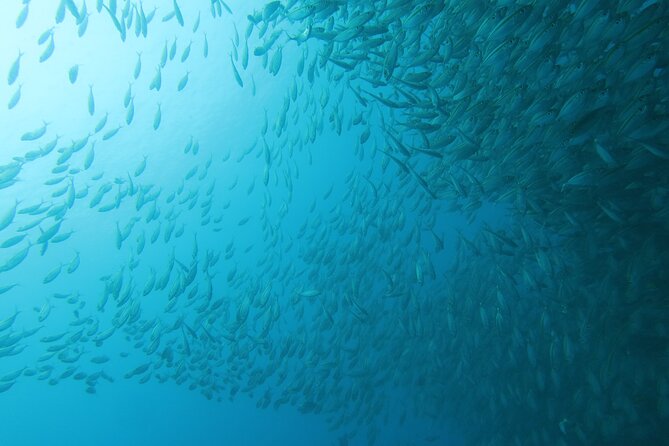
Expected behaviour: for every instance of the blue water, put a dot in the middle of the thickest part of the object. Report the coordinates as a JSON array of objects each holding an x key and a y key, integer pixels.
[{"x": 333, "y": 223}]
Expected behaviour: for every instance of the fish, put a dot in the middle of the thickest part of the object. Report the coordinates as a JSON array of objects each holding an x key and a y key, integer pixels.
[
  {"x": 111, "y": 133},
  {"x": 130, "y": 112},
  {"x": 11, "y": 241},
  {"x": 74, "y": 264},
  {"x": 91, "y": 101},
  {"x": 88, "y": 161},
  {"x": 9, "y": 321},
  {"x": 13, "y": 73},
  {"x": 157, "y": 82},
  {"x": 46, "y": 235},
  {"x": 15, "y": 98},
  {"x": 15, "y": 260},
  {"x": 173, "y": 49},
  {"x": 48, "y": 51},
  {"x": 45, "y": 36},
  {"x": 177, "y": 13},
  {"x": 7, "y": 218},
  {"x": 119, "y": 27},
  {"x": 44, "y": 312},
  {"x": 163, "y": 57},
  {"x": 236, "y": 73},
  {"x": 275, "y": 64},
  {"x": 196, "y": 24},
  {"x": 157, "y": 118},
  {"x": 101, "y": 123},
  {"x": 82, "y": 22},
  {"x": 141, "y": 167},
  {"x": 73, "y": 73},
  {"x": 6, "y": 288},
  {"x": 35, "y": 134},
  {"x": 183, "y": 82},
  {"x": 138, "y": 66},
  {"x": 138, "y": 370},
  {"x": 186, "y": 52},
  {"x": 23, "y": 15}
]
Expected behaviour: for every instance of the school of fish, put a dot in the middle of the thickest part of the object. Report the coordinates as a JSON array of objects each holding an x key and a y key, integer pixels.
[{"x": 549, "y": 327}]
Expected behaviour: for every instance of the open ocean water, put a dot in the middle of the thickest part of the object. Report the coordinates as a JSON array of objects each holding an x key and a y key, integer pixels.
[{"x": 337, "y": 223}]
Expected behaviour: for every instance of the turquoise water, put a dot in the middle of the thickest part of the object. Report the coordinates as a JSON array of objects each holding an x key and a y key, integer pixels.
[{"x": 333, "y": 223}]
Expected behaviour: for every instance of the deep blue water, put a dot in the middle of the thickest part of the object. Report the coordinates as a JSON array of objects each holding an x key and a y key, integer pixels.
[{"x": 333, "y": 223}]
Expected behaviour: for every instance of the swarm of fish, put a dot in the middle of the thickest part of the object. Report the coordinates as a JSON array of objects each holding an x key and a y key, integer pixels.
[{"x": 547, "y": 328}]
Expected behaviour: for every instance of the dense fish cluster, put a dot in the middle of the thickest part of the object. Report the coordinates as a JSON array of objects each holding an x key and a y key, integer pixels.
[{"x": 366, "y": 306}]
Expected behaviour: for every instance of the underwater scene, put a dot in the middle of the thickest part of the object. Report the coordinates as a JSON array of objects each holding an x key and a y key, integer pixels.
[{"x": 334, "y": 223}]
